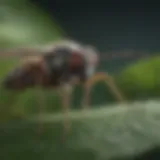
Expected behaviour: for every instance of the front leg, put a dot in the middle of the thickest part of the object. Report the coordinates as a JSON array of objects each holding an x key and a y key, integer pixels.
[
  {"x": 113, "y": 88},
  {"x": 65, "y": 93}
]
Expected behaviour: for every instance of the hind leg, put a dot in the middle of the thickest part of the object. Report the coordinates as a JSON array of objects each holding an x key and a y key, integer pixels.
[
  {"x": 41, "y": 106},
  {"x": 41, "y": 101}
]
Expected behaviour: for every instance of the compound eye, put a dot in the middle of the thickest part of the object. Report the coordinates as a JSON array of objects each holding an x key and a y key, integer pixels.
[{"x": 57, "y": 62}]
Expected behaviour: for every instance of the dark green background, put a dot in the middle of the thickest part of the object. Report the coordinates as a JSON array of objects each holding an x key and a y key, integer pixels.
[
  {"x": 108, "y": 24},
  {"x": 115, "y": 26}
]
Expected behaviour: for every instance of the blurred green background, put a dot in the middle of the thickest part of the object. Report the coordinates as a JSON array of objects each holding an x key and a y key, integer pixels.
[
  {"x": 24, "y": 24},
  {"x": 120, "y": 132}
]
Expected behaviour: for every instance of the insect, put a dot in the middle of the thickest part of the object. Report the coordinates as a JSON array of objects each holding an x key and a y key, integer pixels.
[{"x": 60, "y": 67}]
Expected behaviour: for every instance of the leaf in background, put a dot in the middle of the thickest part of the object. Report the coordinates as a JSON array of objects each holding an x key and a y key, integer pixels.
[{"x": 24, "y": 24}]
